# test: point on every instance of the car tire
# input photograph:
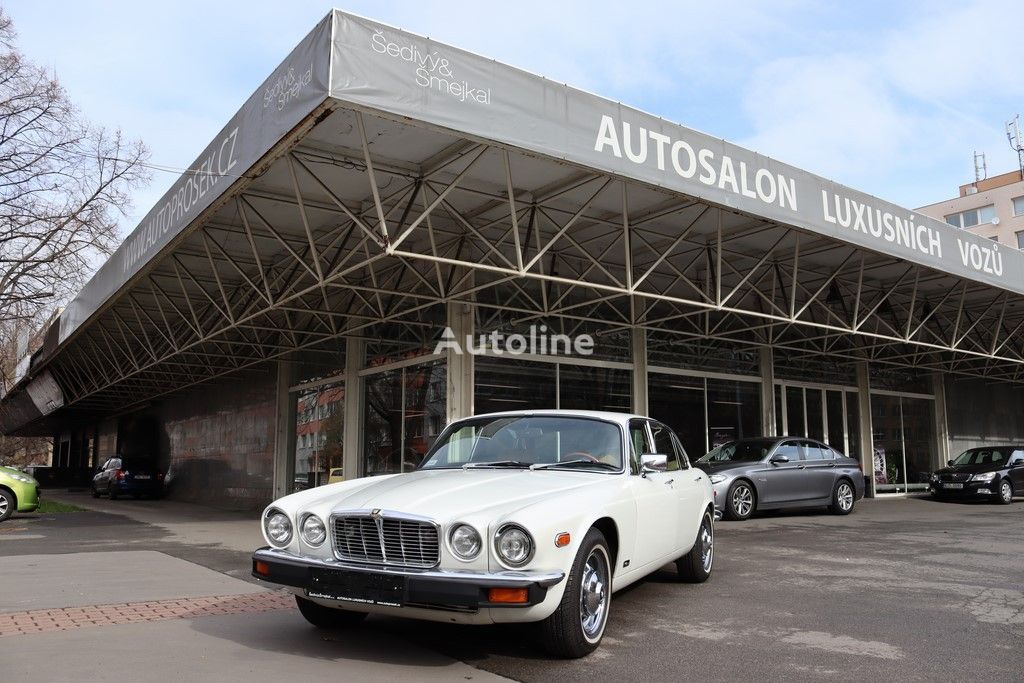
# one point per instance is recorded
(587, 598)
(695, 566)
(110, 493)
(1005, 496)
(740, 501)
(95, 493)
(844, 498)
(327, 617)
(7, 504)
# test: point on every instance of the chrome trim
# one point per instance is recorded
(378, 515)
(291, 534)
(302, 536)
(497, 553)
(542, 578)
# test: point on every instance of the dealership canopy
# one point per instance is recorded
(377, 173)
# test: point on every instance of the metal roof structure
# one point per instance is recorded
(378, 174)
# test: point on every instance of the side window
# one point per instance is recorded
(813, 451)
(684, 459)
(105, 465)
(791, 450)
(663, 444)
(1016, 457)
(638, 444)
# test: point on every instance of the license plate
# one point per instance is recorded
(142, 476)
(953, 486)
(362, 587)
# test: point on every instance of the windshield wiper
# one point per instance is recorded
(574, 463)
(496, 463)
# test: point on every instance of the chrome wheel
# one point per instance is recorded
(4, 506)
(594, 590)
(844, 496)
(707, 545)
(1005, 492)
(742, 500)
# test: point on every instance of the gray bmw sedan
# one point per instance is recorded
(781, 472)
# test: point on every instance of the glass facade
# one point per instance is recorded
(319, 421)
(903, 429)
(405, 410)
(517, 384)
(705, 413)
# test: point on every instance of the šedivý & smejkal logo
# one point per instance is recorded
(286, 87)
(433, 71)
(536, 342)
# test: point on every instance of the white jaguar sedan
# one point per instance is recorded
(532, 516)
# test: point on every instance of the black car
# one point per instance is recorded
(993, 473)
(135, 477)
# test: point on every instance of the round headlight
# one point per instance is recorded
(465, 542)
(278, 527)
(313, 531)
(514, 545)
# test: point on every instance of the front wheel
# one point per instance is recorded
(1005, 492)
(842, 498)
(7, 504)
(695, 566)
(575, 629)
(327, 617)
(740, 501)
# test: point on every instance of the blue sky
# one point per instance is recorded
(888, 97)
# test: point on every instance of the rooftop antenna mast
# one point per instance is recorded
(980, 167)
(1013, 134)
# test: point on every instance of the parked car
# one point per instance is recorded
(19, 492)
(335, 475)
(134, 477)
(754, 474)
(510, 517)
(993, 473)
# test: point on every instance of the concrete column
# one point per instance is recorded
(641, 406)
(460, 365)
(284, 429)
(767, 364)
(942, 449)
(352, 426)
(867, 441)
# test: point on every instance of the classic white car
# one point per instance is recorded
(534, 516)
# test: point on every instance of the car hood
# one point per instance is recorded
(973, 469)
(445, 494)
(713, 467)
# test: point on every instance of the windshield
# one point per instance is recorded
(750, 450)
(521, 441)
(983, 456)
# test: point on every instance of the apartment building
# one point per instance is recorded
(991, 207)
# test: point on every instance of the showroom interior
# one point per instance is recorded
(286, 324)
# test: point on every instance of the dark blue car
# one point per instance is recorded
(134, 477)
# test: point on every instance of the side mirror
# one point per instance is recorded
(779, 459)
(653, 462)
(949, 462)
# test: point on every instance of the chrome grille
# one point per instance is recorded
(386, 539)
(956, 476)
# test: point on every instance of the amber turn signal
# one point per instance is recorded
(514, 595)
(562, 540)
(262, 568)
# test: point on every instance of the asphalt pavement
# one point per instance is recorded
(903, 587)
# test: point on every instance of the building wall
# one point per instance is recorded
(1000, 192)
(217, 441)
(979, 413)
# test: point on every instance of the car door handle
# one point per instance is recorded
(669, 482)
(697, 478)
(800, 467)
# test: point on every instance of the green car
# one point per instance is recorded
(18, 492)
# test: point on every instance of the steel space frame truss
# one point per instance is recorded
(431, 232)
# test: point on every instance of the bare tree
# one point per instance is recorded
(64, 183)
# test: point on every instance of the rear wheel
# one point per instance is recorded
(843, 498)
(110, 492)
(575, 629)
(95, 492)
(1005, 492)
(327, 617)
(740, 501)
(695, 566)
(7, 504)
